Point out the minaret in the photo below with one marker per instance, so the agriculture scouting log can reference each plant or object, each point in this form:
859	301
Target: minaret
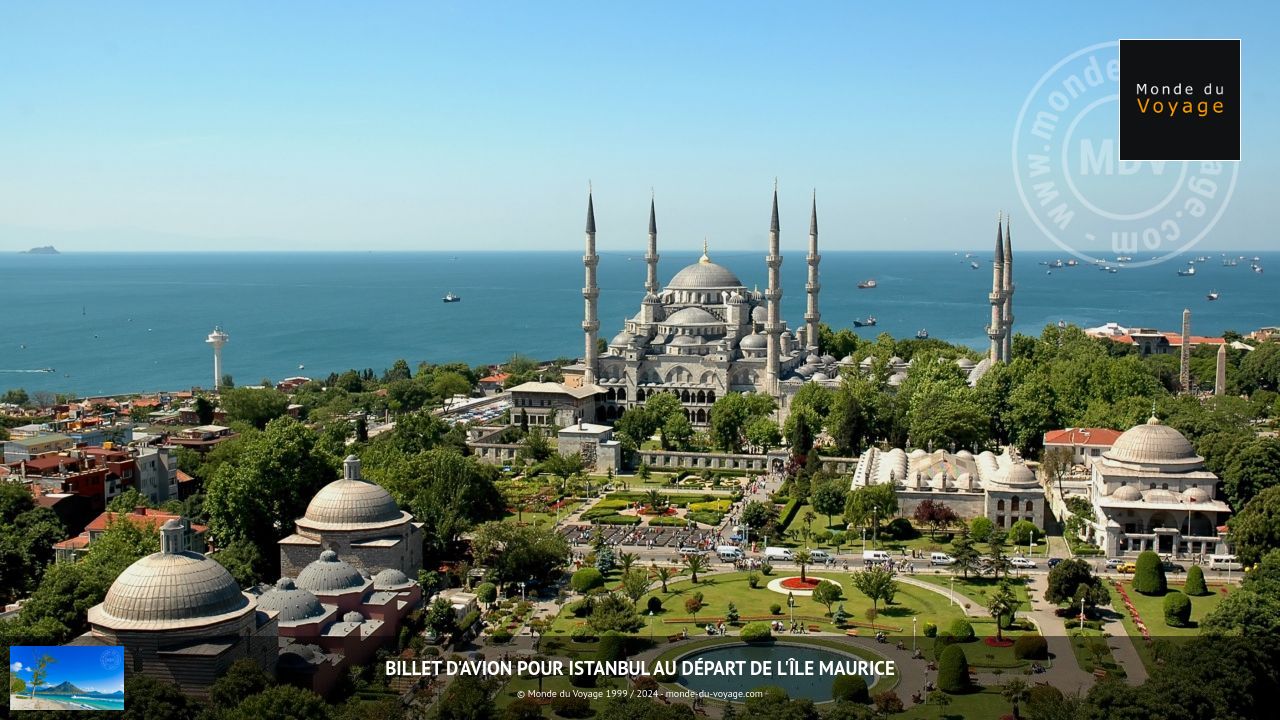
1184	365
217	339
1220	377
996	328
651	257
1006	339
812	287
591	323
773	296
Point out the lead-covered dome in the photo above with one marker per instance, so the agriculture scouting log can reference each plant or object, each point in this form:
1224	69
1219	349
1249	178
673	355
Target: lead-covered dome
173	586
291	602
1154	443
329	574
1126	493
692	316
352	502
704	275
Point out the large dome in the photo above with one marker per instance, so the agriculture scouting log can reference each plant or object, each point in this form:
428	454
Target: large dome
172	586
329	574
1154	443
704	275
352	502
692	316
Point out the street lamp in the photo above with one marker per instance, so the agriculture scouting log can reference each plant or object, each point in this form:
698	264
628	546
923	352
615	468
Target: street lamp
1031	542
522	596
913	635
1081	613
650	627
791	603
953	587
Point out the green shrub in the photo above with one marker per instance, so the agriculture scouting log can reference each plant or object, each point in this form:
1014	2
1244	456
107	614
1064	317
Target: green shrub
1023	531
961	629
756	632
582	680
586	580
583	634
668	522
766	568
1149	578
930	630
1195	582
850	688
899	529
617	520
953	670
1031	646
980	528
888	703
613	646
654	604
753	579
1177	609
571	706
775	609
500	636
705	517
1044	701
486	593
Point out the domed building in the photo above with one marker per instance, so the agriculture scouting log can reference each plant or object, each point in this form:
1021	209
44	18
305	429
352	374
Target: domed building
360	522
182	618
1151	491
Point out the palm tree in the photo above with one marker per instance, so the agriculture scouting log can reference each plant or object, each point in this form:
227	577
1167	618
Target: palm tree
654	500
696	564
663	573
626	561
998	561
1003	602
803	557
1016	691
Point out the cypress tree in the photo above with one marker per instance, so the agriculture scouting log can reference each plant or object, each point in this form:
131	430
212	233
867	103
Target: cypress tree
1149	578
953	670
1195	582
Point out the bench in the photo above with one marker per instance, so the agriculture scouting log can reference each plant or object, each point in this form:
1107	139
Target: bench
675	638
815	628
852	633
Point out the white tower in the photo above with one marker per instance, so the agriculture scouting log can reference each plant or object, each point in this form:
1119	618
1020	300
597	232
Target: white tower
217	339
773	296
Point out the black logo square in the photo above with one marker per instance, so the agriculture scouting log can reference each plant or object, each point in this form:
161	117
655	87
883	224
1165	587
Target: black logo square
1180	99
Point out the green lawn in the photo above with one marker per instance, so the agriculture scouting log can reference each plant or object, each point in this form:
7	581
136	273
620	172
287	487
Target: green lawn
977	589
985	705
1082	642
1151	609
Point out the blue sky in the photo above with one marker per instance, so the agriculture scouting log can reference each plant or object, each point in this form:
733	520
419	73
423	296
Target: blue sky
82	666
440	126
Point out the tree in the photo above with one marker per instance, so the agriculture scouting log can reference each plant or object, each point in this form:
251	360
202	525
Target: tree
564	466
204	410
441	617
1017	692
802	426
829	498
877	584
731	614
996	558
693	605
614	612
802	557
257	495
980	528
1003	602
466	698
677	431
244	678
254	406
151	699
1255	529
242	559
1065	578
696	564
1261	367
27	535
1252	469
869	504
1195	582
763	433
1148	578
1177	609
826	593
40	672
519	552
1057	463
535	447
663	573
965	555
756	514
487	593
730	415
953	670
934	514
635	583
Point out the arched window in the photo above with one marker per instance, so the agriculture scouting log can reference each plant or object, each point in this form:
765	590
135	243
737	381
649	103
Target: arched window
611	395
1013	504
622	394
711	396
702	396
640	395
1030	507
701	415
684	396
1000	505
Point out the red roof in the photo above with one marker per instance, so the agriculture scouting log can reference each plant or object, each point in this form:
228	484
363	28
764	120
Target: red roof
1175	339
149	517
1104	437
496	378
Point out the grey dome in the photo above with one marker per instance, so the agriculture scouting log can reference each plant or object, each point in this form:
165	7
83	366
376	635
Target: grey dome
329	574
821	376
390	578
683	340
1160	495
291	602
695	316
759	314
1126	493
1154	443
1196	494
353	617
754	341
622	338
173	586
704	275
1016	474
965	363
352	502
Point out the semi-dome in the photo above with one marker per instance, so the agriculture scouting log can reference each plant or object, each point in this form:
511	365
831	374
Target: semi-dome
1154	443
291	602
1126	493
1196	494
622	338
352	502
173	586
1160	495
704	275
683	340
390	578
329	574
820	376
692	316
754	341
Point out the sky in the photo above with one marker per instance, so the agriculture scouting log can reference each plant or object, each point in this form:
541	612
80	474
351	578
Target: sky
92	669
442	126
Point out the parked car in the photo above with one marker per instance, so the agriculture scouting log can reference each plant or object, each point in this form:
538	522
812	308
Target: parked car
1128	568
1022	563
940	558
1113	563
819	556
1053	562
685	551
1173	567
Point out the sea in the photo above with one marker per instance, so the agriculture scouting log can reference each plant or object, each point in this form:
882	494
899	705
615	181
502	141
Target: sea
114	323
91	703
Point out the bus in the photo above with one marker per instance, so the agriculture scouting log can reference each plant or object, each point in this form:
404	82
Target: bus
1224	562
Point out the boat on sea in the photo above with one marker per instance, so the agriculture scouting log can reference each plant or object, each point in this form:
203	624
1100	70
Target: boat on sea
1072	263
451	298
869	322
973	265
1257	268
1112	270
1188	271
1057	264
1230	263
1212	295
867	285
922	334
1123	258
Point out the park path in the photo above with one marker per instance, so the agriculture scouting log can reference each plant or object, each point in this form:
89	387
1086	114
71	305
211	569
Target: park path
954	597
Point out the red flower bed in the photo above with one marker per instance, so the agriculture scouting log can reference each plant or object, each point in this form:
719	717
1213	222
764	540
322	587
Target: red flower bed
795	583
992	642
649	510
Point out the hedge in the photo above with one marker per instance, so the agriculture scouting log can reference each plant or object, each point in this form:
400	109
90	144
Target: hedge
571	706
617	520
1149	578
586	580
788	512
961	630
719	506
1031	646
850	688
705	517
1195	582
1177	609
756	632
953	670
668	522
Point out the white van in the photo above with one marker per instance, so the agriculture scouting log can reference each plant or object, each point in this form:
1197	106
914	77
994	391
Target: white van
939	558
875	556
1224	562
729	553
819	556
1022	562
777	553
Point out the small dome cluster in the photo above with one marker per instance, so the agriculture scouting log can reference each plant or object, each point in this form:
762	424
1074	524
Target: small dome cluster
329	574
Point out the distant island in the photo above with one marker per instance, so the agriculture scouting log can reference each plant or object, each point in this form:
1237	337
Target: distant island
42	250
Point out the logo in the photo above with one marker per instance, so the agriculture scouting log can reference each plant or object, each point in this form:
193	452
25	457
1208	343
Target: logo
111	658
1077	190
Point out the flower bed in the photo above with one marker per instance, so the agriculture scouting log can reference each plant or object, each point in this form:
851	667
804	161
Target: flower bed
992	642
795	583
1133	612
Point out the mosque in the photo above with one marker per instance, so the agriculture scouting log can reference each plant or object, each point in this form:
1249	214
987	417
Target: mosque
706	334
349	584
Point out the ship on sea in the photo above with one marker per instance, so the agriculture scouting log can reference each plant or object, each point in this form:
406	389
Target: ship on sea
866	284
1188	271
869	322
451	298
